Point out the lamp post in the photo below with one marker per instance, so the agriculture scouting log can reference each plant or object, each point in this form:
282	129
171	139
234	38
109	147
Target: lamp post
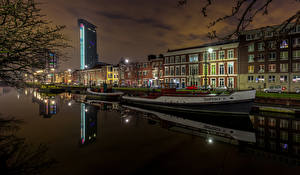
85	74
210	50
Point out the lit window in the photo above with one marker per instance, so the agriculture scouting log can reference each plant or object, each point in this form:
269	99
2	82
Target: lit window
213	56
272	67
284	44
284	67
251	48
230	54
250	69
296	54
250	58
193	58
284	55
261	68
296	67
213	69
230	67
283	78
222	55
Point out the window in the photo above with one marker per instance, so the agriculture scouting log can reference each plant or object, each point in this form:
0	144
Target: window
296	42
213	69
213	82
272	122
260	78
221	55
296	79
284	44
183	58
205	69
296	54
271	78
272	56
283	78
284	67
250	58
261	68
167	80
213	56
272	67
230	54
272	45
172	70
250	69
250	37
251	48
171	59
296	138
284	135
166	71
284	55
193	69
230	82
221	69
284	124
221	82
177	59
177	71
296	125
250	78
145	73
182	70
296	67
193	58
230	67
261	120
145	65
268	34
261	46
260	57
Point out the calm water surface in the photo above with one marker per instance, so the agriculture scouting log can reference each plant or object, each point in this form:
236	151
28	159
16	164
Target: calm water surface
108	138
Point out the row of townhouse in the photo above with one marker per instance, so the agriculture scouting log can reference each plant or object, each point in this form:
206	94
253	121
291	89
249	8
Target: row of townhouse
214	63
142	74
258	59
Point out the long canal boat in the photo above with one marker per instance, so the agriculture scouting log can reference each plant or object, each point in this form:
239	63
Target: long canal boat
239	102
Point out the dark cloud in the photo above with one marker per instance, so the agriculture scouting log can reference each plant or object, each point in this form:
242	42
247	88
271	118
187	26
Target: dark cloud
147	21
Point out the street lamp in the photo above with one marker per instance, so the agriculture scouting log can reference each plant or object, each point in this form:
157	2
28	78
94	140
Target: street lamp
69	70
210	50
126	61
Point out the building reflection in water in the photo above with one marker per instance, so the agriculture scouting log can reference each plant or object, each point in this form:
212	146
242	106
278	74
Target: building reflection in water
88	126
47	104
271	135
278	134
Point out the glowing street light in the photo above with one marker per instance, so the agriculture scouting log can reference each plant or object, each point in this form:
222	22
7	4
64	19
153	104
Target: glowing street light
69	70
126	60
210	50
86	66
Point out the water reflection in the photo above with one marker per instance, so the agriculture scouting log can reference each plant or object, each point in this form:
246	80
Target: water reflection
47	104
88	129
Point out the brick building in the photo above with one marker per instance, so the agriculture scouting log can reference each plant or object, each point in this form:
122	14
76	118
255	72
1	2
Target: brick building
268	58
214	62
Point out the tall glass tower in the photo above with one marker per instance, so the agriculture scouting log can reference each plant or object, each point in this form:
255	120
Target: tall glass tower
88	44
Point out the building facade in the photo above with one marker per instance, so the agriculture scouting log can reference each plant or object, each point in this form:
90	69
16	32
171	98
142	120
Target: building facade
268	58
213	64
88	44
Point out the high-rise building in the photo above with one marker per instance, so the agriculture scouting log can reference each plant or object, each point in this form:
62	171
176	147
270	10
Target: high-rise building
88	44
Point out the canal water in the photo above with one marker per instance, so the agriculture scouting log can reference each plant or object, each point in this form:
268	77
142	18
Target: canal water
62	134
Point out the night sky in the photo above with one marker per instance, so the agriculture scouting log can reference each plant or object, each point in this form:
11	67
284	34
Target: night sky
137	28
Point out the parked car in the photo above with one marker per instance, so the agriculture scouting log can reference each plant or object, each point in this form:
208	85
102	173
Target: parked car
274	89
193	87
